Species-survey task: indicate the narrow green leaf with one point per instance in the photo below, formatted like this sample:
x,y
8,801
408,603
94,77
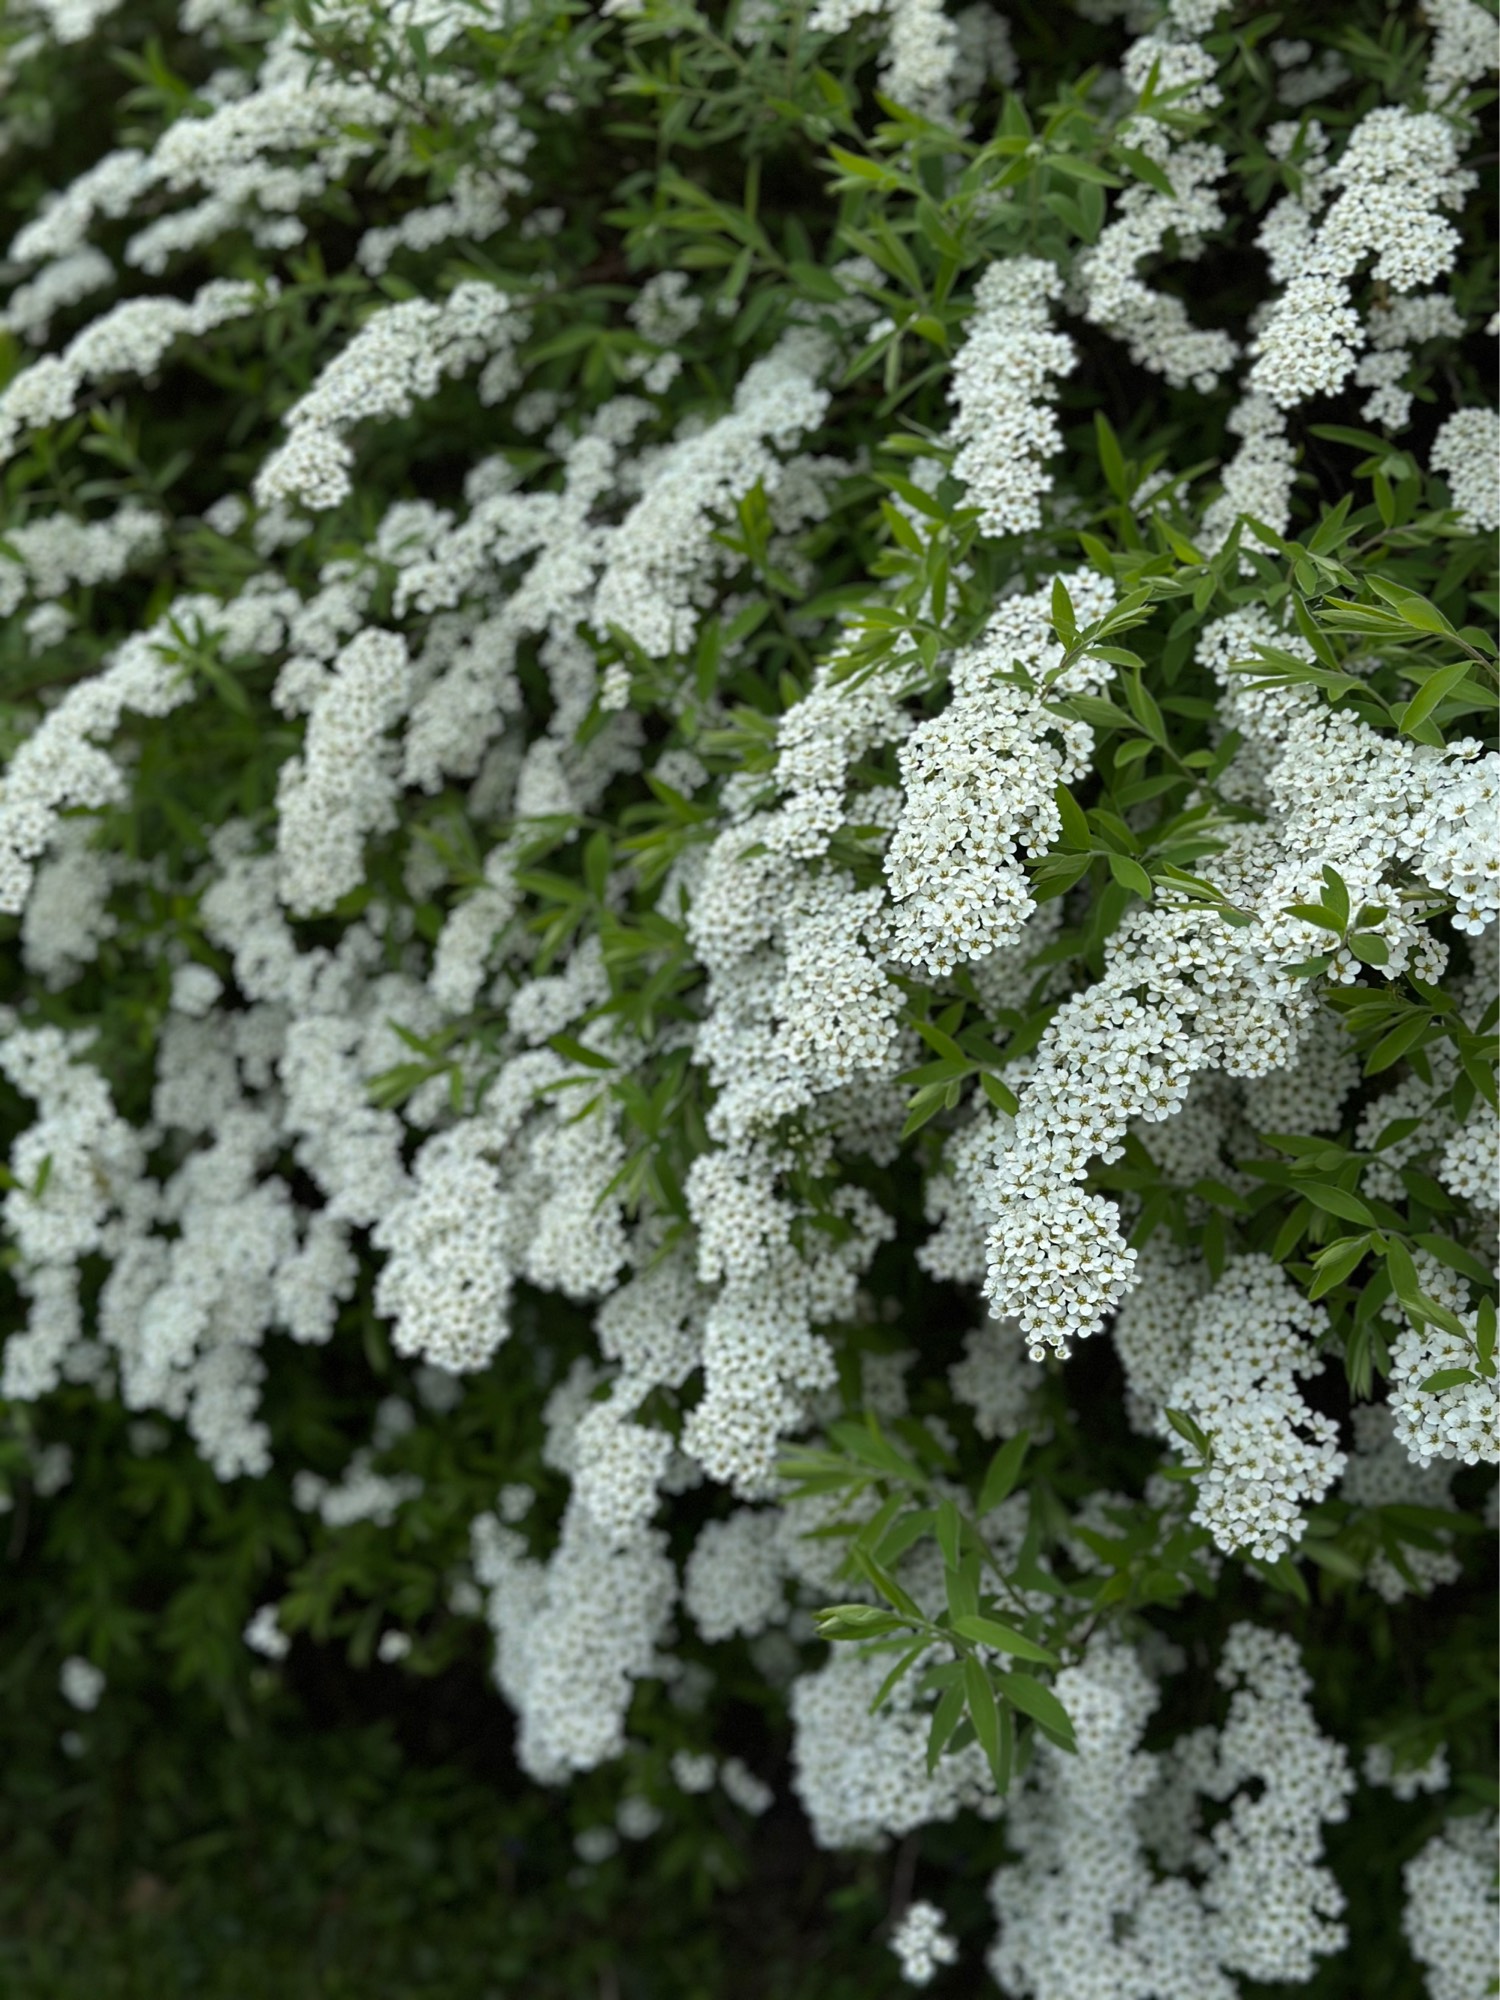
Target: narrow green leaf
x,y
888,1587
1336,1263
1393,1046
902,1667
856,1621
949,1533
1447,1378
983,1713
1434,689
1337,1201
1041,1704
1075,825
1004,1639
945,1718
1004,1473
1111,457
999,1094
1424,617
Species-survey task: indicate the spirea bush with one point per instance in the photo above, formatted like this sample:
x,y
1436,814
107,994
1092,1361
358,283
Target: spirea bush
x,y
749,857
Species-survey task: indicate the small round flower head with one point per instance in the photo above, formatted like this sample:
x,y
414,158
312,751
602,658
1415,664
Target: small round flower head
x,y
81,1682
263,1634
922,1943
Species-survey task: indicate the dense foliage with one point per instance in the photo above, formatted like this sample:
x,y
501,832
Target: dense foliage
x,y
748,862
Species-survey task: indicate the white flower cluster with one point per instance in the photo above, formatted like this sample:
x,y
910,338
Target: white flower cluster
x,y
60,766
1155,324
398,358
1452,1908
266,146
1389,189
1001,382
1249,1342
72,1172
132,339
1460,1421
1181,992
1470,1162
47,557
863,1778
1466,451
980,790
659,562
81,1682
1407,1781
1258,479
263,1634
446,1282
1083,1913
920,53
573,1637
343,786
1462,48
360,1493
922,1942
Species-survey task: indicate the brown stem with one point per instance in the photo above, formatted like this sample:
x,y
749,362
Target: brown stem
x,y
904,1874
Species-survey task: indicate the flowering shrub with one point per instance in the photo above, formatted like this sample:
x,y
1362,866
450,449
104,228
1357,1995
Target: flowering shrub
x,y
751,831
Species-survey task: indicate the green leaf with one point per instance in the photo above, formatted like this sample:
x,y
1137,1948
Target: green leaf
x,y
983,1713
860,169
945,1719
1041,1704
1075,825
949,1533
1314,913
1337,1201
1004,1473
1485,1331
910,1527
1434,689
1081,170
1191,1433
1004,1639
1130,874
868,1443
575,1051
961,1585
887,1585
1447,1378
1393,1046
1285,1576
1404,1280
1424,617
856,1621
999,1094
902,1667
1111,458
1143,707
1336,895
1458,1259
1094,709
1145,169
924,1105
1335,1264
